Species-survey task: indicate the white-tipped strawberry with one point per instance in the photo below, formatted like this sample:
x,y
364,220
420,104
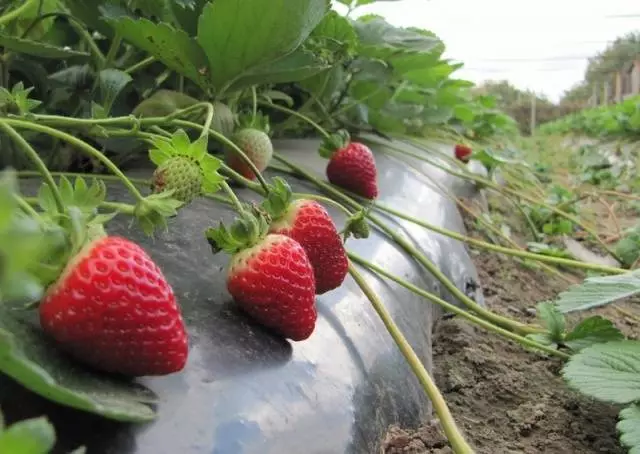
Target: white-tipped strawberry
x,y
253,139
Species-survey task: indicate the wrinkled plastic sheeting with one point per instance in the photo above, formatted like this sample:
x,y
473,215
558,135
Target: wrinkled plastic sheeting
x,y
246,391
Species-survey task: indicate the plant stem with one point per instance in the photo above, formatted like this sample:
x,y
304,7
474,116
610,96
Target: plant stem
x,y
15,13
318,128
501,249
414,252
28,209
233,198
123,208
254,103
495,187
451,308
140,65
208,121
448,193
457,441
84,146
113,51
39,163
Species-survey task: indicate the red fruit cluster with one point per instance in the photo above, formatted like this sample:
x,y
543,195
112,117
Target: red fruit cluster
x,y
463,152
113,309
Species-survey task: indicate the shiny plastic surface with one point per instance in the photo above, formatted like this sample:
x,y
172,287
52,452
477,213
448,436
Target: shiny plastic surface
x,y
245,391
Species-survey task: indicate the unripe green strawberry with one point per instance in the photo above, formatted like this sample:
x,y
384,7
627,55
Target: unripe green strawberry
x,y
256,145
180,174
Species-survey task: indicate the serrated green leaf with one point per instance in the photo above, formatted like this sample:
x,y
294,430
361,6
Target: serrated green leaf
x,y
552,319
598,291
30,436
336,32
112,82
592,330
173,47
31,359
294,67
608,372
38,49
240,36
376,34
629,428
464,113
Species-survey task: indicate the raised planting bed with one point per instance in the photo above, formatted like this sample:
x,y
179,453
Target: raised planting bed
x,y
245,389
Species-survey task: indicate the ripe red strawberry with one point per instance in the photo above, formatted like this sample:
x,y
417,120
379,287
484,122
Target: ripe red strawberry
x,y
463,152
112,309
270,278
307,222
351,165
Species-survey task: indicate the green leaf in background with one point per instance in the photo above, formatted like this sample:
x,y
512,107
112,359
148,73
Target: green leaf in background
x,y
239,36
590,331
609,372
35,9
111,83
296,66
598,291
30,436
39,49
629,428
336,33
89,13
379,38
31,359
173,47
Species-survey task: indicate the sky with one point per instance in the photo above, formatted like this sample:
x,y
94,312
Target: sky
x,y
540,45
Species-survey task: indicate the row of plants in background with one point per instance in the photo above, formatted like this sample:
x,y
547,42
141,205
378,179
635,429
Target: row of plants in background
x,y
620,121
186,87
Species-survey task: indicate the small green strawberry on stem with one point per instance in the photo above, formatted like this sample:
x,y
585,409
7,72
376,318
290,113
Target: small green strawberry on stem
x,y
351,164
309,223
252,138
269,275
184,168
105,302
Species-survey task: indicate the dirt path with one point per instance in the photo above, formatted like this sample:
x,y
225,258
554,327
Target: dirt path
x,y
506,399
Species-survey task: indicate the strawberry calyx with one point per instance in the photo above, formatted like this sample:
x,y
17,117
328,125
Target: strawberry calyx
x,y
247,230
180,146
357,225
278,200
333,143
259,122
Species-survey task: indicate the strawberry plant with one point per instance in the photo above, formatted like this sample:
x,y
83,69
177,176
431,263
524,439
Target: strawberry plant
x,y
620,120
199,89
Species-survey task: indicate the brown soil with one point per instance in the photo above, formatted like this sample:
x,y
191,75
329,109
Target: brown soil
x,y
504,398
